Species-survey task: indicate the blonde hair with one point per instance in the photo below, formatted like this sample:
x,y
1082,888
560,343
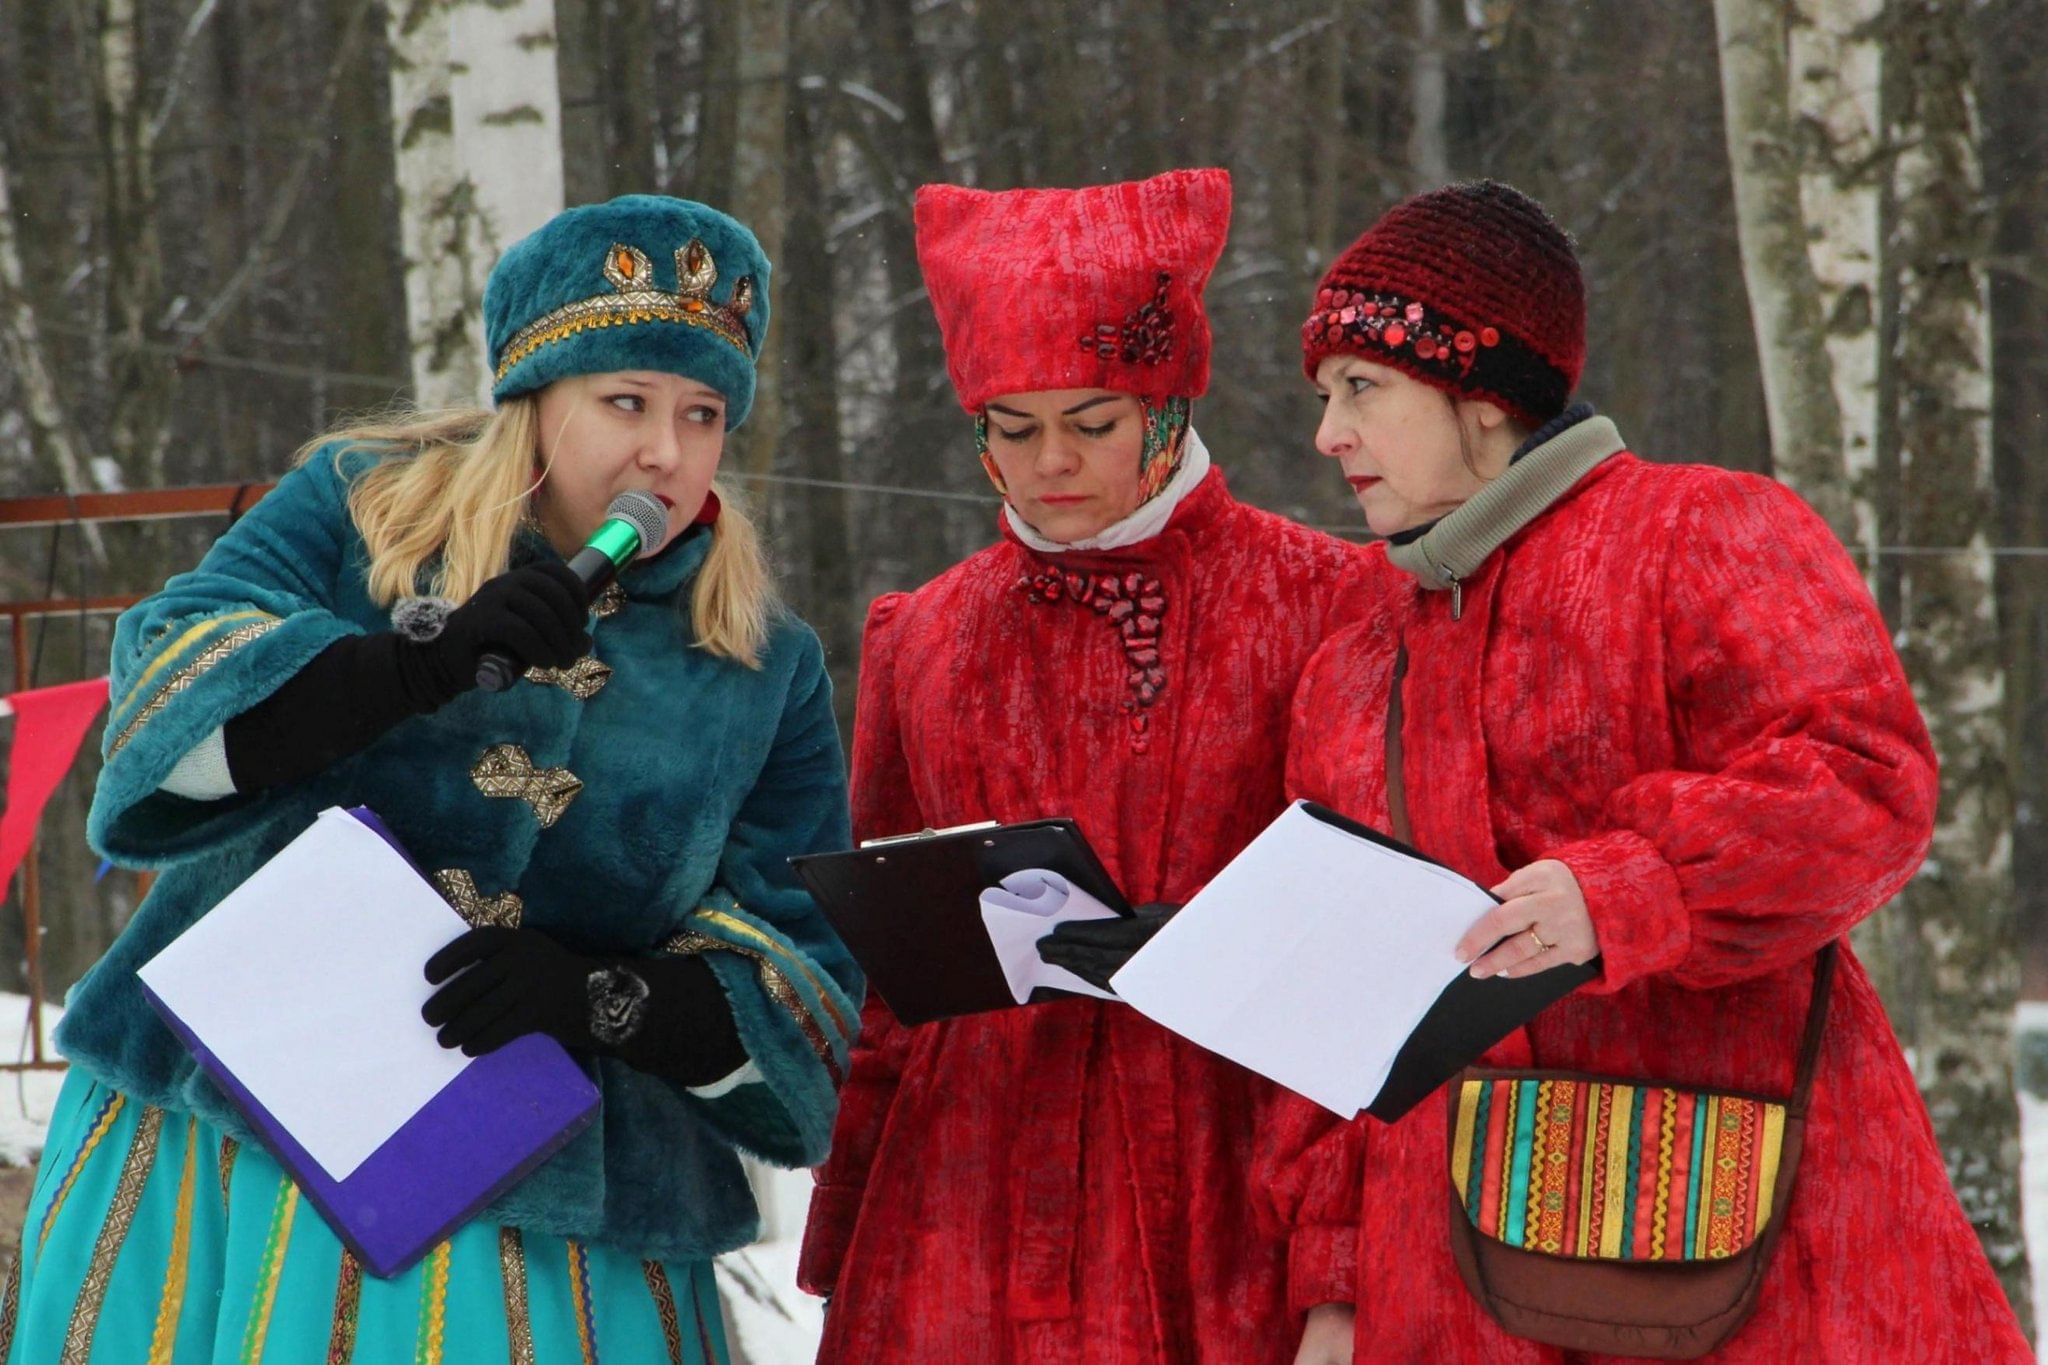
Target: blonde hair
x,y
452,488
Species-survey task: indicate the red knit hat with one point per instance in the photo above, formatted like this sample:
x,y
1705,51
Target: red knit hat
x,y
1472,288
1097,288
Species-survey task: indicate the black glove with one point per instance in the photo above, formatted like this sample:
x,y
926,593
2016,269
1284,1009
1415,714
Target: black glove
x,y
1096,949
538,614
664,1015
357,688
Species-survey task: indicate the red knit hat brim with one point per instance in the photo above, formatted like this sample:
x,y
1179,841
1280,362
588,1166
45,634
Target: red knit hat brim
x,y
1090,288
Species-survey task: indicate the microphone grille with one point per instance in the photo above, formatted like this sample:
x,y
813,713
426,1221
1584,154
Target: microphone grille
x,y
645,514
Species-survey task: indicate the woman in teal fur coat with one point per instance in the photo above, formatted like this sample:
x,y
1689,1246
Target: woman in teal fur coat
x,y
616,824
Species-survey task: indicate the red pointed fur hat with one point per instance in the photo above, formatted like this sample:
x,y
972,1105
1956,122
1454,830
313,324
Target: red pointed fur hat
x,y
1075,289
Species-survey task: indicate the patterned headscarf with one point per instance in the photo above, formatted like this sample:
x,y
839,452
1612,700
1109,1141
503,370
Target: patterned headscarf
x,y
1166,429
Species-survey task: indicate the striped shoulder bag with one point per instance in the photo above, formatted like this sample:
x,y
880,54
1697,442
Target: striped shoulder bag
x,y
1619,1216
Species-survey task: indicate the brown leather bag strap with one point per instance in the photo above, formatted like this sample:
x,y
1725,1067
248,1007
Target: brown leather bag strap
x,y
1397,789
1816,1025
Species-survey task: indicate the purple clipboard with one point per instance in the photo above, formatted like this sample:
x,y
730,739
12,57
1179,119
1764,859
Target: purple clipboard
x,y
505,1114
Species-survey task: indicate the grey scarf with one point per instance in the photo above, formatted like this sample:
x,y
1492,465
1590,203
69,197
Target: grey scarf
x,y
1456,546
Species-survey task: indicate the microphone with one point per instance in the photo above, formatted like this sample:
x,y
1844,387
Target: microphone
x,y
635,525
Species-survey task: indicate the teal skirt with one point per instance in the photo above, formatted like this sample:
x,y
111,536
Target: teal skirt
x,y
153,1237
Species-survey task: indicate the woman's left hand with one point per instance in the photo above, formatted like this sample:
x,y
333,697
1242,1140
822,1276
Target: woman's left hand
x,y
1541,922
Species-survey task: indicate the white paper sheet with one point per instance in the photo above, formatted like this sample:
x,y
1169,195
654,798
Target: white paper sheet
x,y
1024,909
1309,959
306,983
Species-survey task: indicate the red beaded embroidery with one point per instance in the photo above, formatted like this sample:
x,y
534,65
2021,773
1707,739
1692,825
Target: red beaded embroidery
x,y
1394,322
1134,603
1145,336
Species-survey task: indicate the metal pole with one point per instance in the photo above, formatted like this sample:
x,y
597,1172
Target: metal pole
x,y
31,881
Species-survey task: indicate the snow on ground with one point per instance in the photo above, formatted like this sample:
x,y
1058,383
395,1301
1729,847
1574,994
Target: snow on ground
x,y
26,1097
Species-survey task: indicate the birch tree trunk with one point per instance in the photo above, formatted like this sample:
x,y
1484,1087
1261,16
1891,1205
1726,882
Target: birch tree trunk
x,y
1962,903
1784,294
1836,67
436,210
476,136
508,116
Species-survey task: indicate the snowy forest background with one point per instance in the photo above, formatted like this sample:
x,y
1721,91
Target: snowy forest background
x,y
1813,231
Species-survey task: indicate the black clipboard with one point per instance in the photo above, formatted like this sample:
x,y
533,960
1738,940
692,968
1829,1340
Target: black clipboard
x,y
909,908
1468,1018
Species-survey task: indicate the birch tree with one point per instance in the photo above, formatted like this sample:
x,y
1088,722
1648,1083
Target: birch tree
x,y
1885,98
476,136
1784,292
1835,68
1962,903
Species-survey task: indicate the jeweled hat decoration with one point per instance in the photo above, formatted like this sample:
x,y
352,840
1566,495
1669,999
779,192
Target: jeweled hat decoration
x,y
1471,288
643,282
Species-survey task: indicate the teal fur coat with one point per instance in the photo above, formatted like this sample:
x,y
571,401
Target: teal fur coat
x,y
656,815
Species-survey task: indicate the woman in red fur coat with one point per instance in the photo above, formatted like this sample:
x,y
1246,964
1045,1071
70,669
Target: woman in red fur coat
x,y
1654,708
1068,1181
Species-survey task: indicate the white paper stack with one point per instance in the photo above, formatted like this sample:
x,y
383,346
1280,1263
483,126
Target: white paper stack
x,y
1310,959
305,983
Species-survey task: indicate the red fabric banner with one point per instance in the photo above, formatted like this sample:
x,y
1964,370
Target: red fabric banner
x,y
49,723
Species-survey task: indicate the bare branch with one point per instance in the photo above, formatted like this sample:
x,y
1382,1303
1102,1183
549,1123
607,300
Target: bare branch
x,y
174,83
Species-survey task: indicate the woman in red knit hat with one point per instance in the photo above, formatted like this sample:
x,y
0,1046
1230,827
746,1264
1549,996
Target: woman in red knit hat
x,y
1068,1181
1654,709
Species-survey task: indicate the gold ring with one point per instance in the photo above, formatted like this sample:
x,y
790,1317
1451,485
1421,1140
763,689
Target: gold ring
x,y
1537,939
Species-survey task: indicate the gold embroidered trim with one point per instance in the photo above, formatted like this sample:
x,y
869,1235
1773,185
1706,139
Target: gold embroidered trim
x,y
609,603
740,926
518,1317
92,1293
433,1306
665,1309
579,1295
102,1124
10,1313
171,1303
191,673
195,631
582,680
458,888
507,770
348,1302
772,981
631,274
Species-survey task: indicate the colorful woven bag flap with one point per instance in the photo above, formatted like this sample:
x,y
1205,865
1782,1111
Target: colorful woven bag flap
x,y
1607,1170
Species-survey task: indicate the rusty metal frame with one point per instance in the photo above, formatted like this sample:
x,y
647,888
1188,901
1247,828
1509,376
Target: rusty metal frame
x,y
158,504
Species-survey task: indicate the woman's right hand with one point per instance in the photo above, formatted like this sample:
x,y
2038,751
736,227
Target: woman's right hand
x,y
1326,1339
536,614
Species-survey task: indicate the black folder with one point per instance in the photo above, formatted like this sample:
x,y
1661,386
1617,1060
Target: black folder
x,y
1468,1018
909,909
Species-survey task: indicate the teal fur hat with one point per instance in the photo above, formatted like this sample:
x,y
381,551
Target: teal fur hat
x,y
644,282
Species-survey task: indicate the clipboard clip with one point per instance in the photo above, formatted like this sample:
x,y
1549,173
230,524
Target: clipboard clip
x,y
929,833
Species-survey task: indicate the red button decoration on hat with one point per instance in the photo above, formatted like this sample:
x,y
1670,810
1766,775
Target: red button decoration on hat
x,y
1075,289
1471,288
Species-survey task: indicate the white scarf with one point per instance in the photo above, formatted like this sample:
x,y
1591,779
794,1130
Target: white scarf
x,y
1143,524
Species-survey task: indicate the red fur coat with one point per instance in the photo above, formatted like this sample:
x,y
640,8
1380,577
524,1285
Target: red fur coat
x,y
1674,682
1069,1181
